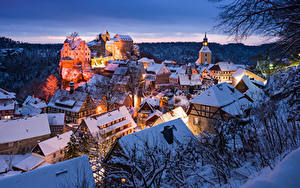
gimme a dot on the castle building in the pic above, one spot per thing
(75, 54)
(204, 53)
(120, 47)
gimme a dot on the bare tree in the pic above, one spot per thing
(74, 36)
(279, 18)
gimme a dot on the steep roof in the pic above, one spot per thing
(70, 173)
(65, 100)
(36, 102)
(123, 37)
(224, 96)
(195, 79)
(55, 143)
(205, 49)
(224, 66)
(153, 137)
(152, 101)
(155, 68)
(171, 115)
(6, 95)
(20, 129)
(145, 59)
(253, 91)
(218, 95)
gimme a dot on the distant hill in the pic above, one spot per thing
(187, 52)
(23, 63)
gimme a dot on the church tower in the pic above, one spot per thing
(205, 53)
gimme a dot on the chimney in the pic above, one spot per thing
(71, 87)
(168, 133)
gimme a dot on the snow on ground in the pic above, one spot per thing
(285, 174)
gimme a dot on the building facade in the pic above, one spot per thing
(204, 53)
(74, 104)
(21, 135)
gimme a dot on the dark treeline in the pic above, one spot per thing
(188, 52)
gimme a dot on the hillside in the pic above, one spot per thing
(187, 52)
(23, 63)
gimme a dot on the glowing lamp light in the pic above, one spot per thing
(204, 43)
(123, 180)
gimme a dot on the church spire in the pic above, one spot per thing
(205, 41)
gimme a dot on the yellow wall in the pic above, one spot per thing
(202, 57)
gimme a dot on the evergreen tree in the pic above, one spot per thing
(84, 143)
(72, 149)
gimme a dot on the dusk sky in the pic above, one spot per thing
(41, 21)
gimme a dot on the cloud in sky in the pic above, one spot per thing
(147, 21)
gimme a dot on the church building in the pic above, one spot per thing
(204, 53)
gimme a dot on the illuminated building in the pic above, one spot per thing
(75, 55)
(204, 53)
(7, 104)
(120, 47)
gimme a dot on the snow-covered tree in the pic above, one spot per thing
(72, 150)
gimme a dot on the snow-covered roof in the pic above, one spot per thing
(239, 73)
(169, 62)
(155, 68)
(10, 173)
(195, 79)
(29, 163)
(205, 49)
(218, 95)
(65, 100)
(6, 95)
(121, 71)
(253, 91)
(204, 69)
(119, 97)
(56, 118)
(145, 59)
(55, 143)
(111, 67)
(171, 115)
(30, 110)
(225, 66)
(36, 102)
(154, 137)
(20, 129)
(14, 159)
(70, 173)
(174, 76)
(93, 123)
(155, 113)
(181, 100)
(152, 101)
(123, 37)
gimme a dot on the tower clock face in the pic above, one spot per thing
(205, 43)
